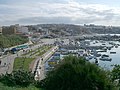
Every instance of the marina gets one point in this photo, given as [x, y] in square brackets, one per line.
[103, 53]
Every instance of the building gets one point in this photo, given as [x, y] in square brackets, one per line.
[15, 29]
[22, 30]
[0, 30]
[9, 29]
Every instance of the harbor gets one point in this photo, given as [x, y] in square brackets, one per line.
[104, 53]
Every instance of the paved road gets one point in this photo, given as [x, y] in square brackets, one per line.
[7, 62]
[39, 65]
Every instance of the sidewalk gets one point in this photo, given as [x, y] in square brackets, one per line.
[9, 60]
[38, 68]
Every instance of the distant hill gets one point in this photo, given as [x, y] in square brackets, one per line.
[103, 29]
[60, 29]
[70, 29]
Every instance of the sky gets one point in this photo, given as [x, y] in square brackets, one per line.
[26, 12]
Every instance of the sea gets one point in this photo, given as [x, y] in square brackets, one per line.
[108, 65]
[115, 57]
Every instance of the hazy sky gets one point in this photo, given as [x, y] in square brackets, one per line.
[104, 12]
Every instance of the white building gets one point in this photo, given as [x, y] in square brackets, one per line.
[22, 29]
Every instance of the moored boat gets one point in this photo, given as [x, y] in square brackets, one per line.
[112, 52]
[116, 46]
[105, 59]
[104, 55]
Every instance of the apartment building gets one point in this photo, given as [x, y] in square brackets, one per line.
[9, 29]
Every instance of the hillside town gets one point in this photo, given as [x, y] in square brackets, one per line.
[64, 38]
[44, 46]
[59, 45]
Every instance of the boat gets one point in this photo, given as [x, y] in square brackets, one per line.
[103, 43]
[104, 55]
[116, 46]
[106, 59]
[90, 57]
[104, 48]
[101, 50]
[112, 52]
[96, 62]
[109, 48]
[96, 41]
[97, 55]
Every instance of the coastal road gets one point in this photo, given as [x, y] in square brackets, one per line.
[39, 65]
[7, 61]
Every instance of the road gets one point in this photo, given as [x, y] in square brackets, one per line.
[39, 65]
[7, 61]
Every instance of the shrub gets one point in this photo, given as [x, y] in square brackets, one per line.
[17, 78]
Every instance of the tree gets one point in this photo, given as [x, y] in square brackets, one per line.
[11, 40]
[115, 74]
[75, 73]
[17, 78]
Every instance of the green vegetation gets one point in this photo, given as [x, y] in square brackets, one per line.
[41, 52]
[31, 87]
[72, 73]
[22, 63]
[115, 75]
[38, 52]
[11, 40]
[77, 74]
[18, 80]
